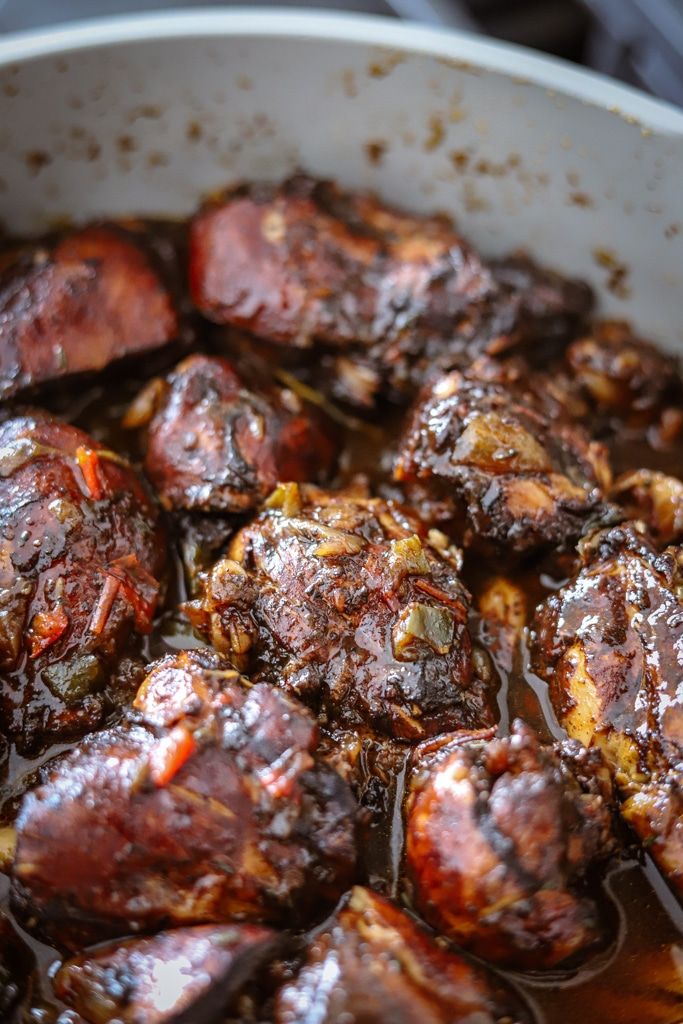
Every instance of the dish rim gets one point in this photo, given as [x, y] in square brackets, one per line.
[464, 48]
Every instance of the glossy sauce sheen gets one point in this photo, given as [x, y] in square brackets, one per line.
[638, 978]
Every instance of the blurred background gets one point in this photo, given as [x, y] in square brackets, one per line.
[638, 41]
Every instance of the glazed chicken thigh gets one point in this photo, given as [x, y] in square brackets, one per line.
[628, 378]
[383, 294]
[610, 645]
[178, 976]
[78, 306]
[554, 307]
[654, 498]
[500, 835]
[488, 453]
[372, 963]
[343, 601]
[214, 446]
[82, 553]
[214, 806]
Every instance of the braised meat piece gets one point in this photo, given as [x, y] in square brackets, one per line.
[555, 308]
[17, 965]
[189, 974]
[610, 645]
[214, 446]
[628, 378]
[500, 835]
[654, 498]
[382, 292]
[654, 810]
[195, 685]
[226, 811]
[512, 469]
[372, 963]
[82, 551]
[341, 600]
[307, 263]
[78, 306]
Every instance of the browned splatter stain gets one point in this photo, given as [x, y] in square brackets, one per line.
[244, 83]
[435, 135]
[36, 160]
[148, 111]
[459, 65]
[573, 179]
[10, 89]
[376, 150]
[74, 103]
[617, 272]
[61, 65]
[456, 114]
[672, 230]
[582, 200]
[514, 160]
[126, 144]
[157, 159]
[85, 146]
[349, 84]
[384, 65]
[194, 131]
[491, 169]
[473, 201]
[460, 158]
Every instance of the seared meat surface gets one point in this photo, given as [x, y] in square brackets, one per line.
[90, 300]
[500, 835]
[513, 470]
[343, 601]
[610, 645]
[215, 446]
[188, 974]
[628, 378]
[655, 499]
[554, 307]
[214, 806]
[382, 292]
[82, 553]
[372, 963]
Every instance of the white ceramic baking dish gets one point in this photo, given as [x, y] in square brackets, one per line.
[146, 114]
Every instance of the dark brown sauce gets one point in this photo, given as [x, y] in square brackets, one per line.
[637, 978]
